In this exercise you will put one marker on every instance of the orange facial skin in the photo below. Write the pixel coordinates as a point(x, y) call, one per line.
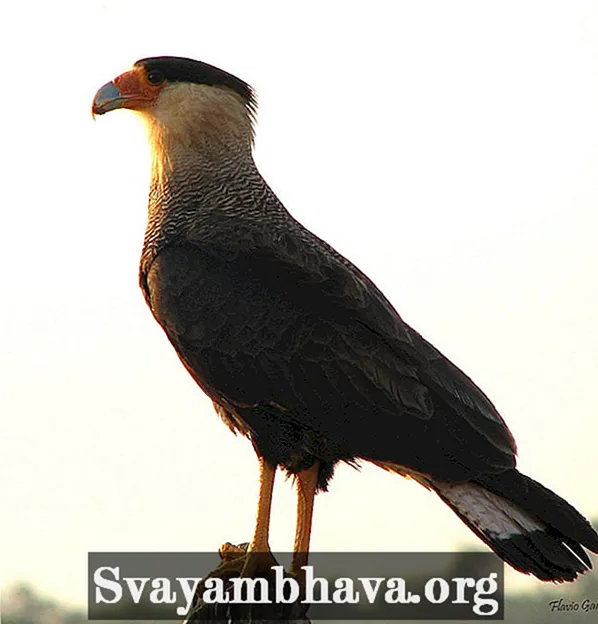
point(130, 90)
point(136, 89)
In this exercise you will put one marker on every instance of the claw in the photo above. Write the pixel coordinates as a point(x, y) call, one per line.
point(229, 551)
point(258, 564)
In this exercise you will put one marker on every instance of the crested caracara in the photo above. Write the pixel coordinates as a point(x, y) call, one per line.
point(298, 349)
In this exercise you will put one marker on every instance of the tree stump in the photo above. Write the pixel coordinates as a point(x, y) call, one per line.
point(237, 613)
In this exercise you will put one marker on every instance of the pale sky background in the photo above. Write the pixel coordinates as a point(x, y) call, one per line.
point(450, 149)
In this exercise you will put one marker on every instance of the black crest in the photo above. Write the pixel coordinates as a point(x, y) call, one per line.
point(179, 69)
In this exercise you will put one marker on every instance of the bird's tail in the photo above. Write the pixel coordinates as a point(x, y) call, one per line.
point(524, 523)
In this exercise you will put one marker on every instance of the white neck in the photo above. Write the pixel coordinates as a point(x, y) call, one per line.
point(199, 124)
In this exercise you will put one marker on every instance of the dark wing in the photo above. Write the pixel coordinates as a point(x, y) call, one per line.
point(285, 321)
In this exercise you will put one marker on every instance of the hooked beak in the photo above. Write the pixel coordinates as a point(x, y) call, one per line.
point(108, 98)
point(129, 90)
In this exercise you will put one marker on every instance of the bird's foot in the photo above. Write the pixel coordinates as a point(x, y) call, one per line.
point(239, 561)
point(248, 563)
point(298, 573)
point(230, 552)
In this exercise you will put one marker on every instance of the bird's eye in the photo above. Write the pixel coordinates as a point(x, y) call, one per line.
point(155, 77)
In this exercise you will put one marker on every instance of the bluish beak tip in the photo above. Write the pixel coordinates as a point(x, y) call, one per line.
point(108, 97)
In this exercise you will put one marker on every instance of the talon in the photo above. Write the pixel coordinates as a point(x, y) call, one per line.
point(229, 552)
point(258, 563)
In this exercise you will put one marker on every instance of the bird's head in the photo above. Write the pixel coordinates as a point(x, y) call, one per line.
point(183, 103)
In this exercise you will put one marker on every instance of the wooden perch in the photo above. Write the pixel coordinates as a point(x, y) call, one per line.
point(264, 613)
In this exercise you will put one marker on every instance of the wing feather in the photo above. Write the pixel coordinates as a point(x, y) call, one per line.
point(289, 322)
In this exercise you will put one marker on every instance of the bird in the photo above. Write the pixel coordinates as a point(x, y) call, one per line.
point(298, 349)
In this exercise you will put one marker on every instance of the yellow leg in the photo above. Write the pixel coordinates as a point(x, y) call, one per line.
point(259, 543)
point(307, 482)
